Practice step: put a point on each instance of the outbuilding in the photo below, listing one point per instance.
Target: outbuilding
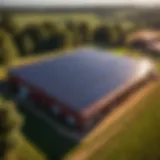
(80, 86)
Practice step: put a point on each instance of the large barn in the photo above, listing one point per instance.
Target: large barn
(80, 86)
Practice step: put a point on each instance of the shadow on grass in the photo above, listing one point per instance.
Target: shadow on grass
(49, 141)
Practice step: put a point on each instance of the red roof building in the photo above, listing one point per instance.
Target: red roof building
(80, 86)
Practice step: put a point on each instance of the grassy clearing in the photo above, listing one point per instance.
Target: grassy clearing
(29, 152)
(140, 138)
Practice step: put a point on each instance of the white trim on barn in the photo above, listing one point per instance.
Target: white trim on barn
(23, 92)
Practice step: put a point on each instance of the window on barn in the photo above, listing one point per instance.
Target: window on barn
(56, 110)
(23, 92)
(70, 120)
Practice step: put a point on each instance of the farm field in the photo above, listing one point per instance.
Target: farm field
(140, 137)
(42, 142)
(30, 18)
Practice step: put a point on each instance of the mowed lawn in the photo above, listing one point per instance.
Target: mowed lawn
(140, 138)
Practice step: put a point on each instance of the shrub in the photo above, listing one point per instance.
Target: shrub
(122, 33)
(33, 32)
(8, 51)
(50, 27)
(10, 126)
(46, 31)
(8, 24)
(103, 35)
(71, 26)
(84, 31)
(61, 39)
(27, 45)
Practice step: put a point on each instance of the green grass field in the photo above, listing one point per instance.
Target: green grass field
(140, 138)
(28, 151)
(37, 18)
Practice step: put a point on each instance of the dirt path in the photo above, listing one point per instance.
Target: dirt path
(83, 154)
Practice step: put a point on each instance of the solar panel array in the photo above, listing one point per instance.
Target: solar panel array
(82, 78)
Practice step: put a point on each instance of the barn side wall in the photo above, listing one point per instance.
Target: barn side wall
(41, 99)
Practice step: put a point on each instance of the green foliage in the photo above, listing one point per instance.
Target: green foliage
(10, 126)
(103, 35)
(28, 45)
(38, 38)
(121, 39)
(85, 32)
(61, 39)
(8, 49)
(71, 26)
(8, 24)
(46, 31)
(50, 27)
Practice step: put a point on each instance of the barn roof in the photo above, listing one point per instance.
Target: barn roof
(80, 79)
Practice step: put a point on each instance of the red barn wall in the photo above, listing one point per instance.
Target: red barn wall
(39, 96)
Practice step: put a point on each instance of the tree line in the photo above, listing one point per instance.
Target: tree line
(49, 36)
(11, 123)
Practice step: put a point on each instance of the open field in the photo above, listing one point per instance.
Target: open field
(140, 138)
(37, 18)
(134, 134)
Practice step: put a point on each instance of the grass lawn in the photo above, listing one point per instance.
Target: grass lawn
(140, 138)
(28, 152)
(51, 143)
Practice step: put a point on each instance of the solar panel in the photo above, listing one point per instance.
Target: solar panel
(82, 78)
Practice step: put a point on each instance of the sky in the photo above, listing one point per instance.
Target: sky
(75, 2)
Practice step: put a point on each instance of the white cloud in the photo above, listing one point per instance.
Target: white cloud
(73, 2)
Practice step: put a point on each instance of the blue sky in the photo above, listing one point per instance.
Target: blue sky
(74, 2)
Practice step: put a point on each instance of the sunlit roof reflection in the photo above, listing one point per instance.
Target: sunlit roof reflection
(145, 66)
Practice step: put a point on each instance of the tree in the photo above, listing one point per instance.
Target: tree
(10, 128)
(103, 35)
(8, 24)
(8, 50)
(71, 26)
(84, 32)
